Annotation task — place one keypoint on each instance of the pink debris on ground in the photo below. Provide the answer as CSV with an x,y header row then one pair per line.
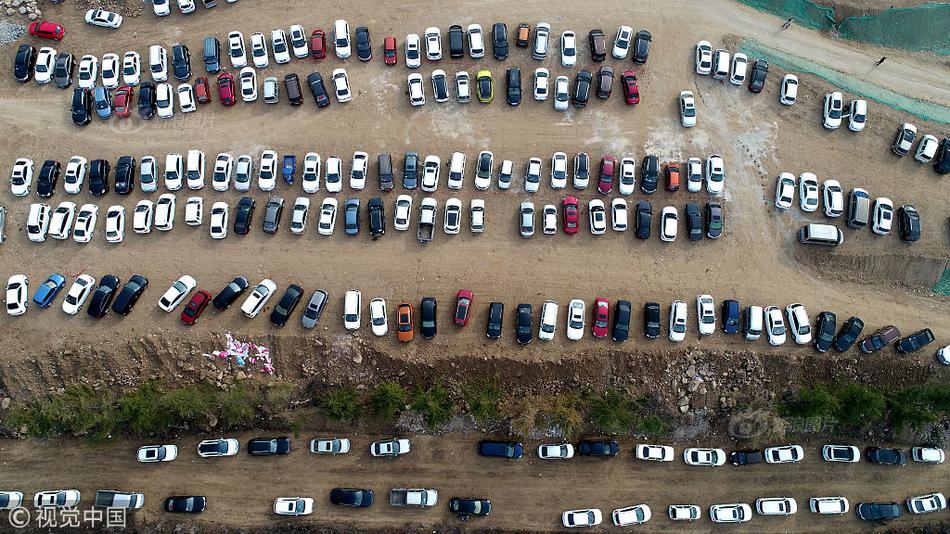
x,y
246,353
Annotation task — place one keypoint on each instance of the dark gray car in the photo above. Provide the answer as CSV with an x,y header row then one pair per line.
x,y
314,310
275,206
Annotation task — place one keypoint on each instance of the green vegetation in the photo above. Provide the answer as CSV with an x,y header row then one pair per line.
x,y
434,404
342,404
387,400
483,398
611,411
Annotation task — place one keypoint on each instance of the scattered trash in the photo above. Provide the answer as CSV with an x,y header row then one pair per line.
x,y
245,354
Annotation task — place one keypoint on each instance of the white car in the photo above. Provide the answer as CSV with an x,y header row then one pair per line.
x,y
278,41
45,62
785,190
576,315
430,173
556,451
562,93
704,457
148,454
186,98
77,294
694,175
103,18
780,506
359,170
110,71
476,41
21,178
456,171
463,87
341,85
715,174
857,113
158,63
433,39
627,177
341,39
598,216
352,309
926,149
798,323
505,173
258,298
293,506
904,139
834,105
195,169
541,77
622,42
417,91
704,52
85,225
828,505
218,225
174,172
848,454
706,315
236,50
532,175
586,518
678,321
17,295
243,170
329,446
669,220
177,293
61,222
213,448
654,453
483,170
221,174
65,498
403,213
618,215
148,174
453,216
115,224
161,7
334,174
684,512
927,455
833,198
789,92
298,42
327,216
298,216
377,317
783,454
926,504
259,50
883,216
194,208
774,326
37,222
631,515
267,174
730,513
164,100
88,72
413,51
248,81
568,50
389,447
740,63
547,326
186,6
477,207
808,197
559,170
687,109
311,172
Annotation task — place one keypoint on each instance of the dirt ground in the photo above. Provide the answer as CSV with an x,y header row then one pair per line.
x,y
757,261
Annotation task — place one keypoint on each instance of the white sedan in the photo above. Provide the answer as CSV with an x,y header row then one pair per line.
x,y
808,192
293,506
704,457
834,104
78,293
165,212
559,170
704,53
219,220
798,323
586,518
555,451
715,174
631,515
925,504
258,298
576,311
103,18
65,498
774,326
834,198
377,317
213,448
341,85
17,295
687,109
403,212
628,178
784,190
157,453
413,54
267,173
194,211
678,321
785,454
706,314
598,216
88,72
654,453
115,224
176,293
669,220
85,223
828,505
562,94
330,446
45,62
161,7
327,216
730,513
684,512
433,44
417,91
21,178
390,447
780,506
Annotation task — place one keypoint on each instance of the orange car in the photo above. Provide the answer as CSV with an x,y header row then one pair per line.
x,y
672,177
404,322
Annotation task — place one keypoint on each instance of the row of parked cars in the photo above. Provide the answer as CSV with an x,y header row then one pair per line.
x,y
722,65
929,149
426,174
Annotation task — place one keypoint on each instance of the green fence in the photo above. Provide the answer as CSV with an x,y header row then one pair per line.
x,y
805,13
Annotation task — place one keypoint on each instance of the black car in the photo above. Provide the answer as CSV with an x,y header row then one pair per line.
x,y
359,498
730,316
102,296
146,100
49,176
500,449
243,215
410,170
513,96
268,446
760,69
125,175
915,341
63,70
181,62
81,107
319,90
499,40
212,55
651,320
885,456
467,507
384,172
377,217
314,309
848,334
605,81
226,297
24,63
825,331
496,313
292,86
125,301
694,222
456,41
272,213
908,223
622,312
428,326
440,86
351,216
582,88
364,50
649,174
99,170
942,158
746,457
192,504
713,220
644,219
285,306
641,46
523,330
879,511
604,448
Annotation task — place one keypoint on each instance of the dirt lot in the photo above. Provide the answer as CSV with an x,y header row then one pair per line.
x,y
757,261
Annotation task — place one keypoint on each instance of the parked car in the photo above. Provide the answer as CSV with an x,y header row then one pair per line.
x,y
915,341
880,339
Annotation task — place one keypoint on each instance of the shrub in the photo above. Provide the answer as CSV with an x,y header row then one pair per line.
x,y
342,404
387,400
434,404
611,412
483,398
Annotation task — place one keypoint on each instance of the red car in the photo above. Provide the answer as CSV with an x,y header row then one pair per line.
x,y
389,50
607,165
599,325
318,44
570,215
226,88
47,30
122,101
202,91
195,307
463,307
631,91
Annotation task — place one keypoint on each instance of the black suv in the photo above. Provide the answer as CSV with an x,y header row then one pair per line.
x,y
760,69
496,312
499,39
272,213
456,41
694,222
268,446
523,330
81,106
848,334
49,175
243,215
649,174
181,62
377,217
825,331
131,291
24,63
500,449
319,90
286,304
230,293
513,76
603,448
641,46
364,50
102,297
146,100
746,457
125,175
885,456
651,320
582,88
428,325
915,341
99,177
622,312
644,219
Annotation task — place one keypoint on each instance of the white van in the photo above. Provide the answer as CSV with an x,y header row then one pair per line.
x,y
752,322
456,170
821,234
158,63
352,303
37,222
548,321
195,169
721,64
341,39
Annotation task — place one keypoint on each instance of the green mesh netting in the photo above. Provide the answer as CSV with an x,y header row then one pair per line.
x,y
943,285
805,13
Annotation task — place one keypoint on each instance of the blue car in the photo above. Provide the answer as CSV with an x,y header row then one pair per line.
x,y
47,292
730,316
103,102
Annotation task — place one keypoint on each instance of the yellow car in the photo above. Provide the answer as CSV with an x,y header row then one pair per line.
x,y
483,86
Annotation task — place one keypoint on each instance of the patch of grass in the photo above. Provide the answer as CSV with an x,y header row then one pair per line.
x,y
342,404
611,412
387,400
483,398
434,404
